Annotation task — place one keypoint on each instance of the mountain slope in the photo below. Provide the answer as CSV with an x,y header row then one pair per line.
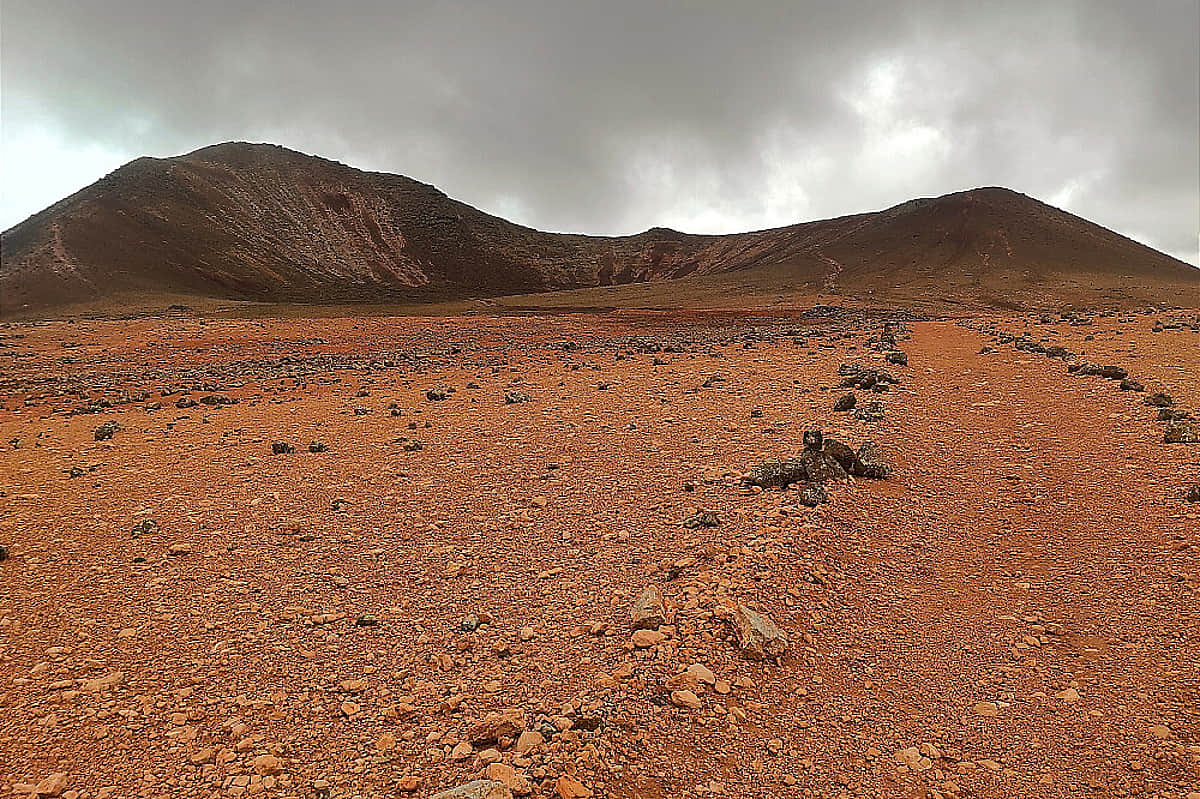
x,y
262,222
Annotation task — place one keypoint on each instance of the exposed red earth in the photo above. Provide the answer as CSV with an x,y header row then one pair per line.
x,y
1013,611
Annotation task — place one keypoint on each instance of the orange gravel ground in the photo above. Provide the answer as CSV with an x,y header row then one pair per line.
x,y
1013,613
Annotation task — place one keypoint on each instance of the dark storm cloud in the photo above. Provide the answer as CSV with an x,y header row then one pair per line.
x,y
611,117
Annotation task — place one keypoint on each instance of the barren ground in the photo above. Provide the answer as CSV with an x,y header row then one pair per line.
x,y
1013,612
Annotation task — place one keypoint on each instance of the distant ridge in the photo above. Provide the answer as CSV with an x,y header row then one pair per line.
x,y
261,222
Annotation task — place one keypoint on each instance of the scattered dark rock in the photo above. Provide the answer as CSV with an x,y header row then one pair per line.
x,y
318,446
437,394
841,453
869,462
1173,414
185,402
1192,495
144,527
282,448
366,620
1159,400
869,412
470,623
105,431
702,519
514,397
413,446
1182,432
361,410
845,402
897,357
1129,384
814,494
3,552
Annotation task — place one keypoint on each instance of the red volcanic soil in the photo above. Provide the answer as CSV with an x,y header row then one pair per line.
x,y
263,223
1013,612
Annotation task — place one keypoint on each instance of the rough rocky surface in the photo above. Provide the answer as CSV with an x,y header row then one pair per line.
x,y
1013,612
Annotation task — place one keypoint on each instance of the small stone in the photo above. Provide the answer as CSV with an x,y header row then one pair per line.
x,y
477,789
282,448
529,740
757,636
176,550
502,772
845,402
54,785
987,709
317,446
408,784
649,611
568,787
644,639
686,699
493,726
267,765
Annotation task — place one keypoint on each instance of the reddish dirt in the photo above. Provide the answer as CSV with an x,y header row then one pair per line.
x,y
1012,613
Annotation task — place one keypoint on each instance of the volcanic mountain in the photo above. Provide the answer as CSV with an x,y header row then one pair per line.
x,y
261,222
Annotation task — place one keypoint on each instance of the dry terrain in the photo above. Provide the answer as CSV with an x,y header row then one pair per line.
x,y
446,591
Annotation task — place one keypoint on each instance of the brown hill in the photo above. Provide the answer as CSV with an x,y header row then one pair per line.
x,y
261,222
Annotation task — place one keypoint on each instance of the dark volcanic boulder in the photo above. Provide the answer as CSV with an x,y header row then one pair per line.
x,y
1159,400
1182,431
1129,384
1193,494
814,494
777,474
869,462
845,402
840,453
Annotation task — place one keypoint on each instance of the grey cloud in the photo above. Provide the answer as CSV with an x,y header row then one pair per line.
x,y
612,117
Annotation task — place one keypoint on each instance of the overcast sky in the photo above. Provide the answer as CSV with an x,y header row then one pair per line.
x,y
611,117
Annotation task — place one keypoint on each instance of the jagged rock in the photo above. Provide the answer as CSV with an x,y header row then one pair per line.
x,y
437,394
3,552
814,494
1129,384
869,412
1181,431
514,397
318,446
185,402
105,431
1159,400
704,518
282,448
777,474
1192,495
757,636
897,357
819,466
845,402
504,724
813,439
476,789
649,611
841,453
869,462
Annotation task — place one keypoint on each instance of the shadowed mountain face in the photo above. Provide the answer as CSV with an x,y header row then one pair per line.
x,y
261,222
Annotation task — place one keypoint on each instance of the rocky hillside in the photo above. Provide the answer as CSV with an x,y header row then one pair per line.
x,y
261,222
